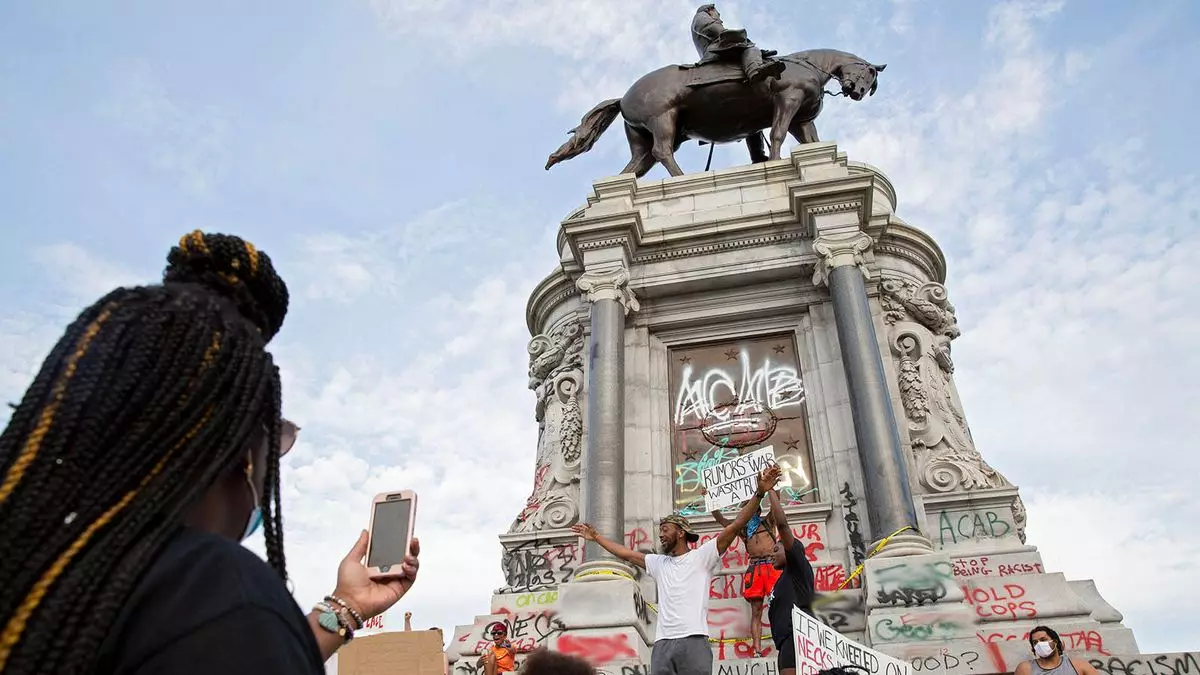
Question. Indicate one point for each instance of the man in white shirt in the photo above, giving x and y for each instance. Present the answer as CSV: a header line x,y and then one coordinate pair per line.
x,y
682,578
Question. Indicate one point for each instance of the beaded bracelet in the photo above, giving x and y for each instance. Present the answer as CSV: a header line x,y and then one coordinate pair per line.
x,y
336,621
357,617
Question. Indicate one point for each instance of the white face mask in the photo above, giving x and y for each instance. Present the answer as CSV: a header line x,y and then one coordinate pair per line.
x,y
1044,650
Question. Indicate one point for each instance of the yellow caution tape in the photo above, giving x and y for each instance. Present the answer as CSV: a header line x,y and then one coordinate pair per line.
x,y
615,573
737,639
878,547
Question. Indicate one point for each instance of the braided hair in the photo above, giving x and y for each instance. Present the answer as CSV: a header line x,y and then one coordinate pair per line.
x,y
148,399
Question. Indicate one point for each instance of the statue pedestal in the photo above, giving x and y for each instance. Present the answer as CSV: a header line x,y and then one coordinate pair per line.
x,y
734,319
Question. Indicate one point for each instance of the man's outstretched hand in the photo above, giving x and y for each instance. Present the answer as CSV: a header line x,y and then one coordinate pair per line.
x,y
585,530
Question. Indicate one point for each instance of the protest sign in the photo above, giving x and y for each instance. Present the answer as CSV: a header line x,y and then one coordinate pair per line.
x,y
735,481
819,647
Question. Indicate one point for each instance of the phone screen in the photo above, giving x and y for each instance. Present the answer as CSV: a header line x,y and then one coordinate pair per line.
x,y
389,533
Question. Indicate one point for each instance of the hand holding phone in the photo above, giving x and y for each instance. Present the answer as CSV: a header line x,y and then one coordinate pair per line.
x,y
393,515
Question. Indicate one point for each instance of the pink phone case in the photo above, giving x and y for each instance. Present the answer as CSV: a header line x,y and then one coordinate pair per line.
x,y
394,570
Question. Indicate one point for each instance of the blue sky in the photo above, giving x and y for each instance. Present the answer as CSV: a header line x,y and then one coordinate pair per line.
x,y
388,154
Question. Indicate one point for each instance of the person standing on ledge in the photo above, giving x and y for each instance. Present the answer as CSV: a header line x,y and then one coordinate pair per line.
x,y
760,576
793,588
1050,660
682,577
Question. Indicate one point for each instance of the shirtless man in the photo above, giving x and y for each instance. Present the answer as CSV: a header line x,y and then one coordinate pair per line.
x,y
758,536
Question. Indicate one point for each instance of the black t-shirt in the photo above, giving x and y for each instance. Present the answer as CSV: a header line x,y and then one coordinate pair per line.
x,y
206,605
793,589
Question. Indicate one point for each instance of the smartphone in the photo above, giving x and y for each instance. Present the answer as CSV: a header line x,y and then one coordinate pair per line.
x,y
391,531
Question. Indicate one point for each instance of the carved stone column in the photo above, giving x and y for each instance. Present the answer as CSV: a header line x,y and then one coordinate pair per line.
x,y
607,291
842,266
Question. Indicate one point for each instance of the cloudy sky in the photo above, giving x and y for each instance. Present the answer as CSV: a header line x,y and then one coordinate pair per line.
x,y
388,154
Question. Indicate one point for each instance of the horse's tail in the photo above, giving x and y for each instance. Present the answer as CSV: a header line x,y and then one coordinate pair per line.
x,y
584,136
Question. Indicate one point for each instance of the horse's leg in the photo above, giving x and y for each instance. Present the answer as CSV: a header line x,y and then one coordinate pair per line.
x,y
804,132
786,106
757,146
665,142
640,146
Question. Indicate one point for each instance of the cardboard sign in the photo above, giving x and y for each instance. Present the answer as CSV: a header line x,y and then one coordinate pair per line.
x,y
736,480
819,647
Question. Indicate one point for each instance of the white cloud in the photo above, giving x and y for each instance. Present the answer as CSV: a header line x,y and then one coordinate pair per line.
x,y
455,422
187,142
81,274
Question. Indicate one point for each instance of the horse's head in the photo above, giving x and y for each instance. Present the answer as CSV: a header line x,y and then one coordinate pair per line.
x,y
860,79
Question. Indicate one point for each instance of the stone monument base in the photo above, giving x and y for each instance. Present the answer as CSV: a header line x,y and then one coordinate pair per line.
x,y
706,268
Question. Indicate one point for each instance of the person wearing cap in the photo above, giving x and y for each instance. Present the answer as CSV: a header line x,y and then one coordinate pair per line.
x,y
499,656
681,577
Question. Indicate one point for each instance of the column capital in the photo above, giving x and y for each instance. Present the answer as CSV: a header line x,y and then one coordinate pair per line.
x,y
608,284
839,247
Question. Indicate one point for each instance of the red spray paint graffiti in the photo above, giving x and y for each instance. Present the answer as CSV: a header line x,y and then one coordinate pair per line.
x,y
597,649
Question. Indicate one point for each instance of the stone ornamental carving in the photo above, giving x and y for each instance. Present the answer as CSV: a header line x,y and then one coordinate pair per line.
x,y
922,324
556,377
612,284
836,249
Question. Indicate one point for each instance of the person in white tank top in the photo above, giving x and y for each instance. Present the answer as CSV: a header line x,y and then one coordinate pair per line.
x,y
681,577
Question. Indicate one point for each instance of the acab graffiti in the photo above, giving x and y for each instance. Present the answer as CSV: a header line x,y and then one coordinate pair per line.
x,y
706,395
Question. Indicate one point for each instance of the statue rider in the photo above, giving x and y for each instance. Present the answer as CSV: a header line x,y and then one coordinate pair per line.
x,y
717,43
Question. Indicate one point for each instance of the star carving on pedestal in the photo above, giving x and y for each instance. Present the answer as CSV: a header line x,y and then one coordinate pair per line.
x,y
731,354
792,444
779,349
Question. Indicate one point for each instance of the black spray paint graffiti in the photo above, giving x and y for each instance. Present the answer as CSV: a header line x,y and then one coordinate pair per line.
x,y
538,627
857,545
945,661
836,609
911,596
914,583
526,571
639,607
748,667
1181,663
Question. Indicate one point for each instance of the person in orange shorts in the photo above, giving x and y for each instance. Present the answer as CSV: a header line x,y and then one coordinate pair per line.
x,y
760,576
499,656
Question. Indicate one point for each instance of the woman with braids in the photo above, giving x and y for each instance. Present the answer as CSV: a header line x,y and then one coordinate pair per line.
x,y
146,449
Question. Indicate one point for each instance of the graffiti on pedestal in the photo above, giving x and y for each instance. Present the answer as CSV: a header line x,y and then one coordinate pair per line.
x,y
1179,663
913,583
733,398
858,547
971,525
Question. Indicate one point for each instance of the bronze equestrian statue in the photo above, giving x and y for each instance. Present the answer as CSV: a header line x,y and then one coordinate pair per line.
x,y
720,100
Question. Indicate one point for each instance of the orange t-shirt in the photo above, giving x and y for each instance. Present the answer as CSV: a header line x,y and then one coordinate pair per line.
x,y
505,656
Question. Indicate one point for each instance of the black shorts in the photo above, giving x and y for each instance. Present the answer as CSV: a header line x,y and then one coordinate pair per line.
x,y
786,654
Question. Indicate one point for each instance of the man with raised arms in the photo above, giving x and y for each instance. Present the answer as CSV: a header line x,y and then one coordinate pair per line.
x,y
682,576
793,588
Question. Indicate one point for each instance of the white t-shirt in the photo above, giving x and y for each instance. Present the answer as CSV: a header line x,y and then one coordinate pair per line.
x,y
683,590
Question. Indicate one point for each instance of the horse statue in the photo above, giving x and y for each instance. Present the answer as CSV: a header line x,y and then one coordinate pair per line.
x,y
715,103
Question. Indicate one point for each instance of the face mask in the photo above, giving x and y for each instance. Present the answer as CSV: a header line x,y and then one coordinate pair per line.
x,y
255,519
1043,649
